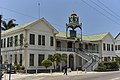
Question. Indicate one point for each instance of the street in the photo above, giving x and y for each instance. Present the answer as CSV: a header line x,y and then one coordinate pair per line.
x,y
115,75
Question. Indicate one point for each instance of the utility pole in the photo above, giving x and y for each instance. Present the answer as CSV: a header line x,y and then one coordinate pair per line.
x,y
0,50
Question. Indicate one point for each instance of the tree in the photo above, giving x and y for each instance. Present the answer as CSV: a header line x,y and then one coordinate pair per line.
x,y
52,59
8,25
46,63
58,58
118,60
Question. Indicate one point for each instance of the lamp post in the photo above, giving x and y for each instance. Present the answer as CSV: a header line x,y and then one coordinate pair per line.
x,y
10,67
0,50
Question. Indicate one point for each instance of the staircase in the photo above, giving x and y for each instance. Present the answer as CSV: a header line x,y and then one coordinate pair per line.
x,y
92,60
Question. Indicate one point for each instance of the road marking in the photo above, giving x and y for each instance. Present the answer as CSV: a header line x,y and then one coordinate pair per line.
x,y
118,78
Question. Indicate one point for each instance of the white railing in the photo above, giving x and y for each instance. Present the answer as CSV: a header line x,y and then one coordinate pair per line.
x,y
72,49
64,49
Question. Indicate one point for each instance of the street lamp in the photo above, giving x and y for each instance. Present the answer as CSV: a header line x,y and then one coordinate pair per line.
x,y
10,67
0,50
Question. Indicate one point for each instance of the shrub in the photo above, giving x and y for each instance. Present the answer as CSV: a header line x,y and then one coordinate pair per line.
x,y
111,65
101,67
47,63
106,66
22,68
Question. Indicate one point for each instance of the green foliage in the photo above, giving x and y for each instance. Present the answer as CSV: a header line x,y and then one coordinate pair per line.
x,y
8,25
6,62
51,58
57,57
111,65
17,66
46,63
22,68
118,60
101,67
64,58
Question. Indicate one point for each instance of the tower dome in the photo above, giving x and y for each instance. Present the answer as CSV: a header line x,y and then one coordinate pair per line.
x,y
73,14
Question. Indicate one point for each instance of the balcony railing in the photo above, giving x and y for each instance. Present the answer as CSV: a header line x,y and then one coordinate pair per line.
x,y
64,49
73,50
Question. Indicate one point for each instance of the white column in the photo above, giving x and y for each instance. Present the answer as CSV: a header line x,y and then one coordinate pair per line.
x,y
67,60
35,60
74,62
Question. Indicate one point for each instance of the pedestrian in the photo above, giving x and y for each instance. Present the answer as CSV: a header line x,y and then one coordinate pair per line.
x,y
65,69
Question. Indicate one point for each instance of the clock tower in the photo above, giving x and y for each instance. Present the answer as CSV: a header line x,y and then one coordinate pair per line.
x,y
73,24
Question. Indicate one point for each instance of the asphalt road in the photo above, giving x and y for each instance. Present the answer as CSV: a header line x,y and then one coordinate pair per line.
x,y
94,76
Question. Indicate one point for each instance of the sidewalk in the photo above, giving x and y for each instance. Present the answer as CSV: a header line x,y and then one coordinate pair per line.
x,y
72,73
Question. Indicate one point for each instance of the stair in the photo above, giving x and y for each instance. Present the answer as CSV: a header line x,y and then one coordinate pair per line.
x,y
92,60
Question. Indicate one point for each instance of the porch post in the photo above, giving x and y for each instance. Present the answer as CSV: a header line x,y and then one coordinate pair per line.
x,y
74,62
67,60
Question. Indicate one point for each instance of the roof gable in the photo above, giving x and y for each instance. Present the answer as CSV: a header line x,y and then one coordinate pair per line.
x,y
118,36
28,25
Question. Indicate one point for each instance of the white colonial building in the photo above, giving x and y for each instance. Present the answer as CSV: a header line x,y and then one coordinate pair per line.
x,y
117,44
33,42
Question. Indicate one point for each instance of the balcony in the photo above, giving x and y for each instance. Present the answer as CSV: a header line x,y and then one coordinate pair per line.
x,y
64,49
73,50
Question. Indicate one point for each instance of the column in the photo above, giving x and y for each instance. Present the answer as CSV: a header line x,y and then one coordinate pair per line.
x,y
67,60
74,62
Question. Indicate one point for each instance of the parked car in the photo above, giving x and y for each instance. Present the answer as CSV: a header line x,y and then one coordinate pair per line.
x,y
12,70
6,68
1,74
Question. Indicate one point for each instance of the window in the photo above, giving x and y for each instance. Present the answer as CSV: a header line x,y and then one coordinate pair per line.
x,y
10,58
51,41
112,47
8,42
108,47
118,47
105,58
4,42
11,41
15,59
104,46
40,59
21,39
16,40
86,46
39,39
32,39
31,60
58,44
43,40
20,59
115,47
1,43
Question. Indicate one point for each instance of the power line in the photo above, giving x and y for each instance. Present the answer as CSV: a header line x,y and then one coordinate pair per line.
x,y
27,15
100,12
108,8
17,12
104,10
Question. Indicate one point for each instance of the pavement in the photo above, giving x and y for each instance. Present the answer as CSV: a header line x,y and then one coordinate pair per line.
x,y
23,75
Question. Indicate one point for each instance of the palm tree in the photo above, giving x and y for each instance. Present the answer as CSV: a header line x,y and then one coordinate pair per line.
x,y
8,25
58,58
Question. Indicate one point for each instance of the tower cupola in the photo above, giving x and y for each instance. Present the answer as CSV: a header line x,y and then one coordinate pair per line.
x,y
73,24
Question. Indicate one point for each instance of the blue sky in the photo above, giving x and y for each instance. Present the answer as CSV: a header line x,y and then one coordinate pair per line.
x,y
95,19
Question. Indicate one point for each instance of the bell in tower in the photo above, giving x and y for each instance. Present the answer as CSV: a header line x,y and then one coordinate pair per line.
x,y
73,24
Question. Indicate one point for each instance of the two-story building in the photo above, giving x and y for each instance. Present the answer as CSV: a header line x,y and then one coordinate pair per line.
x,y
33,42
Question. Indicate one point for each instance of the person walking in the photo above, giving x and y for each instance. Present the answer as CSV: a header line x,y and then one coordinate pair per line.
x,y
65,69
